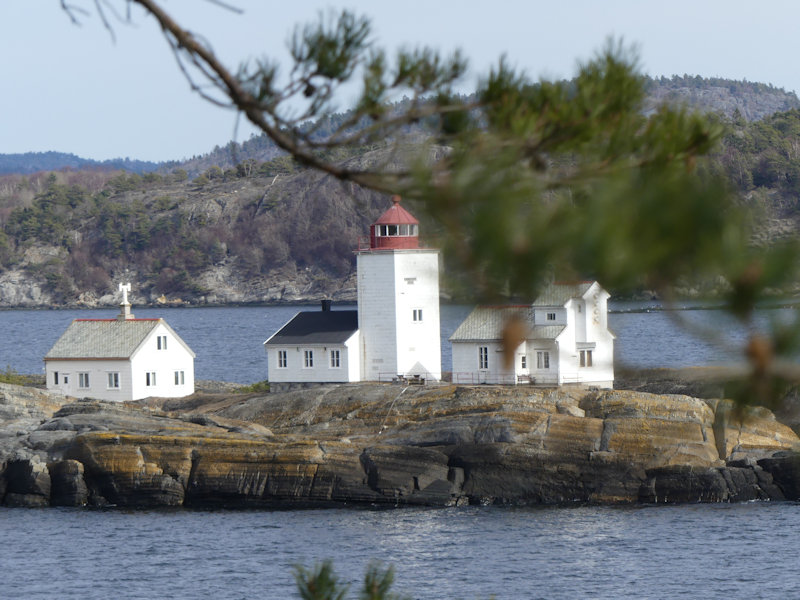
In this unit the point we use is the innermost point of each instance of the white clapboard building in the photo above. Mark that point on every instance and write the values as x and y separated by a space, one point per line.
120 359
393 334
564 339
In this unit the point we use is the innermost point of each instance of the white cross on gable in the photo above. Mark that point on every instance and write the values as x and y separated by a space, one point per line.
125 288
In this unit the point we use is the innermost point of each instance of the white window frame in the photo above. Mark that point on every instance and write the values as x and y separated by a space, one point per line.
308 358
335 359
551 316
83 380
408 230
150 379
416 315
283 359
180 378
161 342
523 362
542 359
586 359
55 377
112 380
483 358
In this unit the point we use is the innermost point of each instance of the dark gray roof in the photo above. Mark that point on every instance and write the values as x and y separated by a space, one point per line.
105 338
316 327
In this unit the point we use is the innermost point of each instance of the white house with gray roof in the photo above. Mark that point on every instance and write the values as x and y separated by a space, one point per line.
120 359
560 338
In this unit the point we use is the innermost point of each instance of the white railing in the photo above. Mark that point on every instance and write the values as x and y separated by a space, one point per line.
473 378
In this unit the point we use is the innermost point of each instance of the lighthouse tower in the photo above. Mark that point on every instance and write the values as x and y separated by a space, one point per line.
398 300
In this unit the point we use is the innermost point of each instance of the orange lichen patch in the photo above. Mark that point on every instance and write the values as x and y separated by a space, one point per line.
657 442
621 403
573 435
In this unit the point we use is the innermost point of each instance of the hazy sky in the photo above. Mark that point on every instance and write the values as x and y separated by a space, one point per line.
73 89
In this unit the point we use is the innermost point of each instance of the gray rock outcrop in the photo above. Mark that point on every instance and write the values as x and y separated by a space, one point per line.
385 444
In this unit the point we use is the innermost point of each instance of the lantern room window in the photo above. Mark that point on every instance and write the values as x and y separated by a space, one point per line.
396 230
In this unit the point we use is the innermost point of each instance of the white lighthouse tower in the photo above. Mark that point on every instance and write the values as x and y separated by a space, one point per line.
398 300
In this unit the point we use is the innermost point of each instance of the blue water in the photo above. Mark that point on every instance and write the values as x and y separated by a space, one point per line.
657 552
229 341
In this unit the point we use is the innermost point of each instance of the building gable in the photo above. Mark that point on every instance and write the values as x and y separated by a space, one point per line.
157 331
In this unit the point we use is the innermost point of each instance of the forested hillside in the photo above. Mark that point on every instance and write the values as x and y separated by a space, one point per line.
267 230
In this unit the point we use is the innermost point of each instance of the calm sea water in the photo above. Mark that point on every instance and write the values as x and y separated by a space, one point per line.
228 341
713 551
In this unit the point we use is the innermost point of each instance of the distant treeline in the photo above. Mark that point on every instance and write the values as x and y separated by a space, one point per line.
34 162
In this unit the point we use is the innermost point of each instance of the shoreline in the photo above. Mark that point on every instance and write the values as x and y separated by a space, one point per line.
656 306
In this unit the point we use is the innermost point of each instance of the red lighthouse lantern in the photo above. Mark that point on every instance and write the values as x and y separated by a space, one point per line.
396 229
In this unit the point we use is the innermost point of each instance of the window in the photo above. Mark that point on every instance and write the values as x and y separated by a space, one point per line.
542 360
150 378
283 359
55 377
179 378
586 358
66 379
551 316
83 380
161 341
417 315
335 359
308 359
523 362
113 381
483 357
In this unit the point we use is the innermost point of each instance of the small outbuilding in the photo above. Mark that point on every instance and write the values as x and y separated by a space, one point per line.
560 338
120 359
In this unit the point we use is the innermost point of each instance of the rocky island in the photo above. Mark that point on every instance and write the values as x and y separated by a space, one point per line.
388 444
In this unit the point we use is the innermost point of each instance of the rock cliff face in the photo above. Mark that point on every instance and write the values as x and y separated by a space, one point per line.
385 444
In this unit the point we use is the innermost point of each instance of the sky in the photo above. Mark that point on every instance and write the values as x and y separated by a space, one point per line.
74 89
